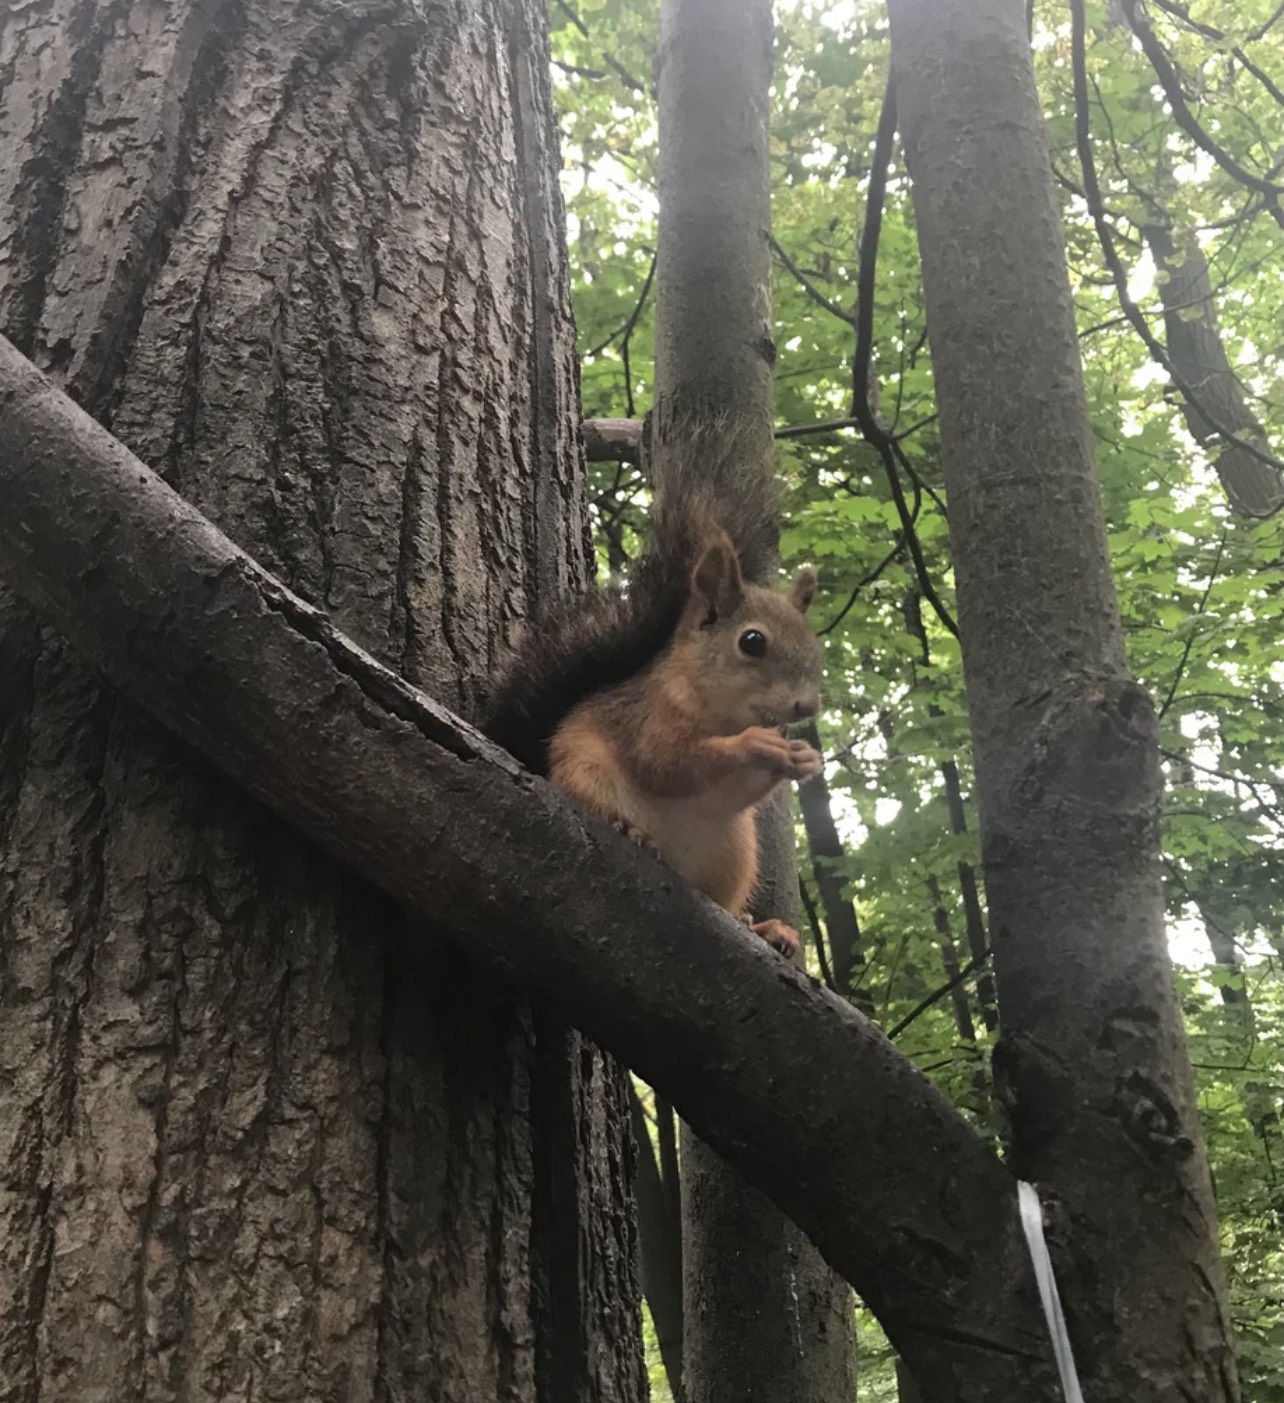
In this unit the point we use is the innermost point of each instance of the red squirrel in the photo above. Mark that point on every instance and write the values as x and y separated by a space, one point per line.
659 702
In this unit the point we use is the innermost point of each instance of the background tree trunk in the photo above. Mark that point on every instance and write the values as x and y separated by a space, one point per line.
1093 1054
1194 343
307 261
846 945
659 1205
907 1390
764 1318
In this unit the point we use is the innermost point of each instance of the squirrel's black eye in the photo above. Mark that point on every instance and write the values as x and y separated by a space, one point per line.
753 644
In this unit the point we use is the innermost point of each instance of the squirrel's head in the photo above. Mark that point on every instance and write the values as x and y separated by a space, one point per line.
747 654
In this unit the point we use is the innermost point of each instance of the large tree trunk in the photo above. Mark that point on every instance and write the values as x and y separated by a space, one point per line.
306 260
1093 1055
764 1317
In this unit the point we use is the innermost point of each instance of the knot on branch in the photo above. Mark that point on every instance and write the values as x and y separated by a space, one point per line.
923 1258
1150 1118
1097 748
1036 1088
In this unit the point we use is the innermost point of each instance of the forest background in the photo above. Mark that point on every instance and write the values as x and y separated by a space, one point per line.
1167 161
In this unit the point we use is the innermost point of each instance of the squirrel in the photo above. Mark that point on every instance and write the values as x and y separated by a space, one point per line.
659 701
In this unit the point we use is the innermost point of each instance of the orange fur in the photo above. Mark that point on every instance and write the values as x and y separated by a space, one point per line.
675 753
699 816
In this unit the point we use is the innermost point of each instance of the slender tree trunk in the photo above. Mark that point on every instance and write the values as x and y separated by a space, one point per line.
764 1317
847 952
1224 925
907 1391
963 1024
1068 783
973 915
960 1004
306 260
1195 348
660 1230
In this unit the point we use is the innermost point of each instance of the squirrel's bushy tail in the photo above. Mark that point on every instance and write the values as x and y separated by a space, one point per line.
715 481
712 477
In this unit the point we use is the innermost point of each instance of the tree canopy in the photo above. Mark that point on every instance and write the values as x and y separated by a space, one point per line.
1167 131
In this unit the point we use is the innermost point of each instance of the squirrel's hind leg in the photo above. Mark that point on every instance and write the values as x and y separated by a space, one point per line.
781 937
583 765
636 835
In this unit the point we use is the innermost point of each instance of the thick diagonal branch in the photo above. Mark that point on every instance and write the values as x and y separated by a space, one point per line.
871 1161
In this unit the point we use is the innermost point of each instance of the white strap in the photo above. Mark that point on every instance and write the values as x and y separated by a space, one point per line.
1032 1222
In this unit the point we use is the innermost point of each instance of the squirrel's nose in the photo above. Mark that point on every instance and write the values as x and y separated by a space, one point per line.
806 707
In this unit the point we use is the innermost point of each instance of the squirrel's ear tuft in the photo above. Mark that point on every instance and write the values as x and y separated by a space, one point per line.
803 590
716 579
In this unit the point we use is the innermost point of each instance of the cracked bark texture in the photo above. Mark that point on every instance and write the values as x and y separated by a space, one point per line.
306 260
1092 1061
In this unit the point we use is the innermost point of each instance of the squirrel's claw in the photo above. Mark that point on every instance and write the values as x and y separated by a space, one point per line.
804 762
781 937
790 759
635 834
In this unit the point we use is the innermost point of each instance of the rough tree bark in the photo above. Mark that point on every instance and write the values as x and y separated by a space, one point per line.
1068 781
764 1318
306 260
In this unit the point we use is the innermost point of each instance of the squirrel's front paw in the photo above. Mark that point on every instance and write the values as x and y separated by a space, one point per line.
790 759
635 834
777 934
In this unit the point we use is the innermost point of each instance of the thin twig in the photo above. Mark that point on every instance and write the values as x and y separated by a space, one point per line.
630 323
1170 81
625 76
1106 237
821 426
862 583
937 995
1182 14
810 288
918 424
813 919
1255 34
1190 639
875 433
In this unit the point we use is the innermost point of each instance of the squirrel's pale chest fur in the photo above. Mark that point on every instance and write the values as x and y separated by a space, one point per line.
708 835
